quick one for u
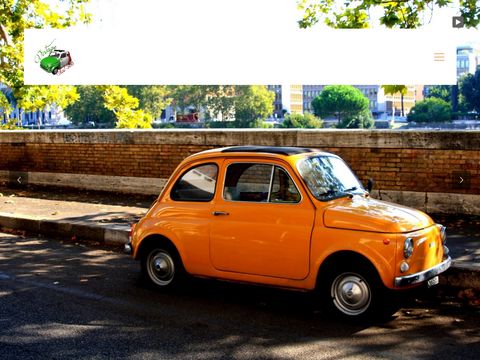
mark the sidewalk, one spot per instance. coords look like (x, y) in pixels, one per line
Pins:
(105, 219)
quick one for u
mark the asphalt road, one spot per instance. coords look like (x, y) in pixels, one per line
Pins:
(60, 300)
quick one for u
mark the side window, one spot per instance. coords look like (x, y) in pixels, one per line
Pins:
(283, 188)
(259, 183)
(197, 184)
(247, 182)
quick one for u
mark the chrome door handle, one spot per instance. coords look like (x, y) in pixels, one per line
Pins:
(217, 213)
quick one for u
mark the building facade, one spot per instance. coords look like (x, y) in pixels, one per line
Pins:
(288, 99)
(468, 59)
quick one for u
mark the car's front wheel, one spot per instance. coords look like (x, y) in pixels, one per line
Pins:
(55, 71)
(355, 292)
(351, 294)
(161, 267)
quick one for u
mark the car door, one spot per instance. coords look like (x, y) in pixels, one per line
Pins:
(63, 60)
(185, 213)
(262, 222)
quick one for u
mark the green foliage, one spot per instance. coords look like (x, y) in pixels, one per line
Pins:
(362, 120)
(152, 99)
(5, 104)
(123, 105)
(163, 126)
(443, 92)
(396, 89)
(340, 101)
(6, 110)
(18, 15)
(43, 97)
(186, 97)
(238, 124)
(246, 104)
(469, 87)
(431, 110)
(404, 14)
(305, 121)
(15, 17)
(90, 108)
(253, 103)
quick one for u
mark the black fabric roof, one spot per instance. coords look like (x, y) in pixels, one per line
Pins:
(281, 150)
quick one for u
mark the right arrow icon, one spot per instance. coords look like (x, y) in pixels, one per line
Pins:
(458, 22)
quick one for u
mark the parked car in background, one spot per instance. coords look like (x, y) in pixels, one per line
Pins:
(290, 217)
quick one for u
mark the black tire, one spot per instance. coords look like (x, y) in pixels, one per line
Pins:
(355, 293)
(161, 267)
(55, 71)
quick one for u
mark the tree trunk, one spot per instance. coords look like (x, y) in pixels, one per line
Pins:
(454, 98)
(4, 35)
(401, 101)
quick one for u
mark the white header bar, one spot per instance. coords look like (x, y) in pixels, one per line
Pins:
(230, 48)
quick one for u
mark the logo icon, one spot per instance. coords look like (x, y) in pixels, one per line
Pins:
(458, 22)
(57, 62)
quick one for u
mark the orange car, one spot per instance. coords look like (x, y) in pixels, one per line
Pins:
(290, 217)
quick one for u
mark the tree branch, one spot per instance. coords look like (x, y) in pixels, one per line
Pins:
(4, 35)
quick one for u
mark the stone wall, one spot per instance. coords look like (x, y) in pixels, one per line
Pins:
(432, 170)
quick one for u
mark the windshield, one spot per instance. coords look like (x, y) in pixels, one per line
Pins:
(328, 177)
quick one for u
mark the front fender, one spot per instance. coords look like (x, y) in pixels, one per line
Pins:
(378, 248)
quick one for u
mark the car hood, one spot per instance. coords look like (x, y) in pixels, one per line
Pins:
(49, 61)
(367, 214)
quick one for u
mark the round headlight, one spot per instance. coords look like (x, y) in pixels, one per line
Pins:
(408, 248)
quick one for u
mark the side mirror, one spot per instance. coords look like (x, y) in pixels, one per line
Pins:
(370, 185)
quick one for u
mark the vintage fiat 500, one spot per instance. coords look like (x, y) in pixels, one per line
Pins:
(290, 217)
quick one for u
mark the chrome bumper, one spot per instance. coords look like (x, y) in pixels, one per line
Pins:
(423, 275)
(127, 248)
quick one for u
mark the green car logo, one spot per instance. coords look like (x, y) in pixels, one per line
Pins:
(50, 64)
(56, 62)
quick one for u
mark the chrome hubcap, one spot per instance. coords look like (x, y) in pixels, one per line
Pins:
(161, 267)
(351, 294)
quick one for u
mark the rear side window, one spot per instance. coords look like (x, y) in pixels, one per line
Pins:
(259, 183)
(197, 184)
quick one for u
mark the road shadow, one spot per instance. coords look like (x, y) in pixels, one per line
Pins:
(60, 300)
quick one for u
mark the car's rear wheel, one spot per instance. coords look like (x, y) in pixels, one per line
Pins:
(161, 267)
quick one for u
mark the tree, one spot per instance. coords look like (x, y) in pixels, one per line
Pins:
(124, 106)
(188, 97)
(15, 17)
(90, 108)
(404, 14)
(469, 87)
(252, 103)
(396, 89)
(443, 92)
(340, 101)
(244, 103)
(431, 110)
(305, 121)
(362, 120)
(152, 99)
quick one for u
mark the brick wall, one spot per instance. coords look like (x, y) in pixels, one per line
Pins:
(421, 161)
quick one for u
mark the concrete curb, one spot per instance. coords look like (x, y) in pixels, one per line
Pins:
(105, 234)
